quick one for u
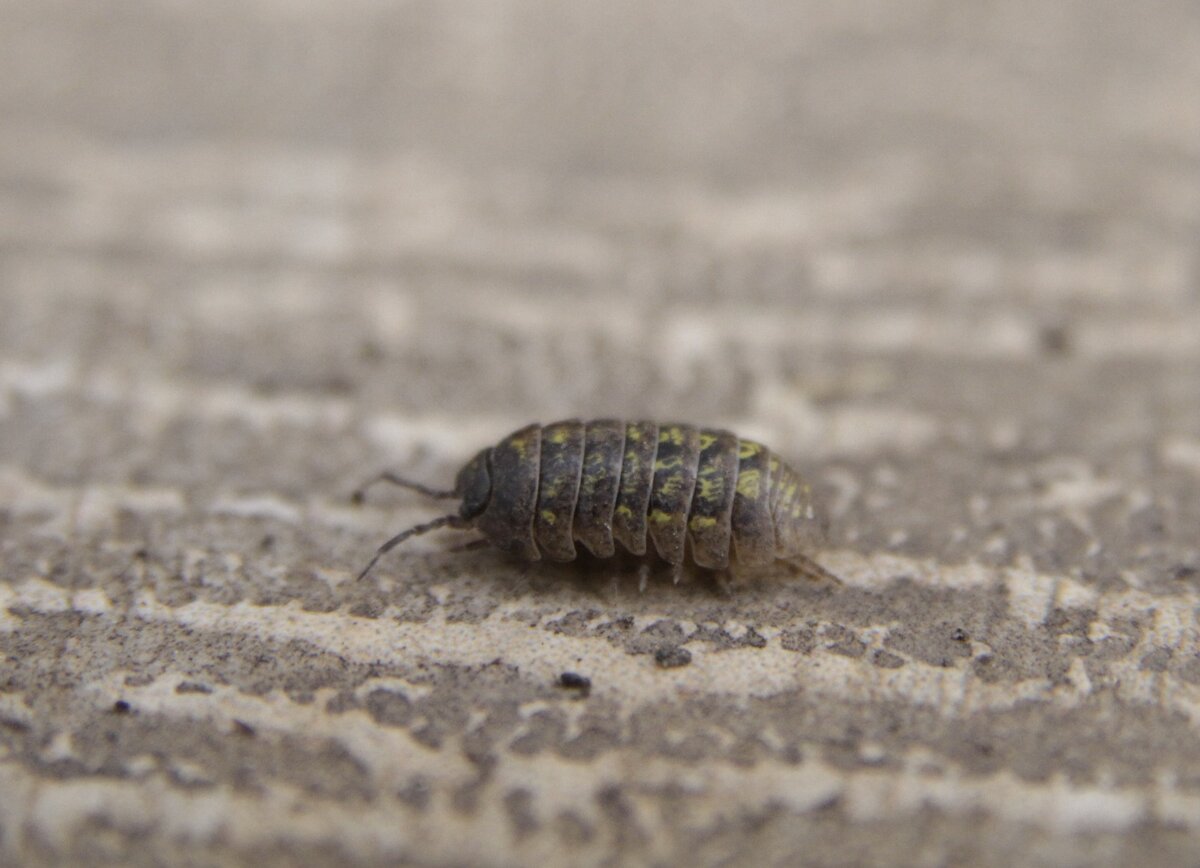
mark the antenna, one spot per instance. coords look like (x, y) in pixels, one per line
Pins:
(453, 520)
(360, 493)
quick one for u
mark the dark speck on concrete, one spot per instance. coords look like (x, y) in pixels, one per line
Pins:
(1184, 572)
(575, 681)
(670, 658)
(389, 707)
(843, 641)
(802, 640)
(754, 639)
(192, 687)
(887, 660)
(1055, 339)
(660, 634)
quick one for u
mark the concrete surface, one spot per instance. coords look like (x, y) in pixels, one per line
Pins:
(943, 256)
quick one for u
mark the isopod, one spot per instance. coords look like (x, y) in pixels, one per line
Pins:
(730, 504)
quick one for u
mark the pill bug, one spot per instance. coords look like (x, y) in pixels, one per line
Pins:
(730, 505)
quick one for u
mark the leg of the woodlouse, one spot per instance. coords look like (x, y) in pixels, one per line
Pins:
(360, 493)
(676, 572)
(473, 545)
(445, 521)
(643, 573)
(805, 566)
(725, 580)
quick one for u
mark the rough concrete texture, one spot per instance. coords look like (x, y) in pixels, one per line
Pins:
(943, 257)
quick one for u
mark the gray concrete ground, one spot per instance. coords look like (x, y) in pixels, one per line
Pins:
(944, 256)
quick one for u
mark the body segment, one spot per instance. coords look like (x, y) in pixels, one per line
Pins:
(558, 489)
(633, 492)
(603, 454)
(753, 528)
(671, 490)
(710, 522)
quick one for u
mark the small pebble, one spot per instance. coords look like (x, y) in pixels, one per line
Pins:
(575, 681)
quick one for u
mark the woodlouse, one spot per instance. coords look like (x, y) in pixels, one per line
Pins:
(731, 504)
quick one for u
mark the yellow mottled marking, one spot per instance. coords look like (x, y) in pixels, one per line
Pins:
(700, 522)
(707, 440)
(634, 434)
(671, 434)
(748, 482)
(659, 517)
(748, 448)
(559, 436)
(710, 489)
(549, 517)
(520, 445)
(671, 486)
(624, 511)
(668, 463)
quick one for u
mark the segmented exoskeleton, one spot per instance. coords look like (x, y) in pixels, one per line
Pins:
(732, 504)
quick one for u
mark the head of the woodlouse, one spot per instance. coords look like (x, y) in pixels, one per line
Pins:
(474, 485)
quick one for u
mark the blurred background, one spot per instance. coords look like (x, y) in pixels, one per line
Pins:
(942, 255)
(917, 229)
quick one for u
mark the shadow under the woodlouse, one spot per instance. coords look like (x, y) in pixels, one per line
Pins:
(624, 579)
